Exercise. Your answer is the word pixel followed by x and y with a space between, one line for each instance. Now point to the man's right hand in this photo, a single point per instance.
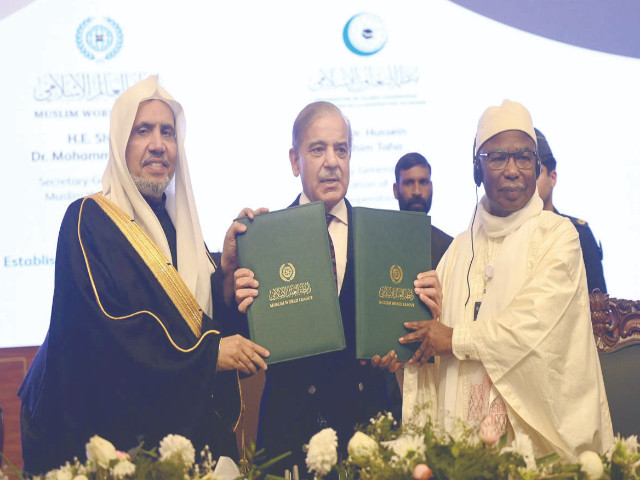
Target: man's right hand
pixel 246 288
pixel 229 258
pixel 428 288
pixel 239 353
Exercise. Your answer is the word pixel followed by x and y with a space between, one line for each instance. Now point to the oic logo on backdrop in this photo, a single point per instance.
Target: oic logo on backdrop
pixel 99 39
pixel 365 34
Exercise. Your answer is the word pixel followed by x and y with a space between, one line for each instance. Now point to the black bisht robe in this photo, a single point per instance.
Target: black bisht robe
pixel 125 380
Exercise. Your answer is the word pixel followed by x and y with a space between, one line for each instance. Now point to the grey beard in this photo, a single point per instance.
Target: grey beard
pixel 151 189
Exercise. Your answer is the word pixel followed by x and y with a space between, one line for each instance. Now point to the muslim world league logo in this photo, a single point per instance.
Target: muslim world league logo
pixel 99 38
pixel 395 272
pixel 287 272
pixel 365 34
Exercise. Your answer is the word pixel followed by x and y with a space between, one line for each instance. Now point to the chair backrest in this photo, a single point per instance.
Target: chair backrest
pixel 1 434
pixel 616 329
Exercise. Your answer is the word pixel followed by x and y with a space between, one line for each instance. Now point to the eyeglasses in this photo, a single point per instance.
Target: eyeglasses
pixel 524 159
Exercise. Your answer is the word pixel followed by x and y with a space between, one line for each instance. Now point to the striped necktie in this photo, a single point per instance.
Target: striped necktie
pixel 329 217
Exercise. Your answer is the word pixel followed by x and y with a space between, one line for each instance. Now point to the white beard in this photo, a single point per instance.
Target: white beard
pixel 149 188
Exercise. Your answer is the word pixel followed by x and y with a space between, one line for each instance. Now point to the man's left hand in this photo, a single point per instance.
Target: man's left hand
pixel 435 338
pixel 388 362
pixel 229 259
pixel 246 288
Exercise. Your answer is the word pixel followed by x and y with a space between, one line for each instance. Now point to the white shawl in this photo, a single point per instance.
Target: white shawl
pixel 533 333
pixel 193 262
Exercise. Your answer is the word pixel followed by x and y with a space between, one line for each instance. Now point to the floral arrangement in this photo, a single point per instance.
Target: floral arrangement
pixel 383 450
pixel 174 459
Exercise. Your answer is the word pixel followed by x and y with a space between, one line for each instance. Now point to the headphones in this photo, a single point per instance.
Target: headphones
pixel 477 167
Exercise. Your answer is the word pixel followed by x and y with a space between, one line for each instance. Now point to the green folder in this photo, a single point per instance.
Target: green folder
pixel 390 249
pixel 296 313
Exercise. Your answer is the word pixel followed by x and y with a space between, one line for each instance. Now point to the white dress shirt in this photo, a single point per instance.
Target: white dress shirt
pixel 339 231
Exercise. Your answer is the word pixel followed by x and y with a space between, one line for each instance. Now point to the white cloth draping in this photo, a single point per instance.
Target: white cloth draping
pixel 532 336
pixel 194 265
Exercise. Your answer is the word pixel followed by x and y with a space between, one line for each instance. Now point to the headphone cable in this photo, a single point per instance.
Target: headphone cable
pixel 473 253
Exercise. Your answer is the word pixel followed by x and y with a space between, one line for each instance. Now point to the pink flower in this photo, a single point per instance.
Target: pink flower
pixel 487 431
pixel 122 455
pixel 422 472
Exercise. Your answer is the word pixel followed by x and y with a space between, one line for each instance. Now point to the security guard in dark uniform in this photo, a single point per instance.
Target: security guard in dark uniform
pixel 591 250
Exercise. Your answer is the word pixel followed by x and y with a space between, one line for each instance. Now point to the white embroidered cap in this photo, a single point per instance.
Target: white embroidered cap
pixel 508 116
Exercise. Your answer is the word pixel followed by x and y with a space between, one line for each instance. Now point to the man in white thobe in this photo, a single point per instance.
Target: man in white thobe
pixel 514 340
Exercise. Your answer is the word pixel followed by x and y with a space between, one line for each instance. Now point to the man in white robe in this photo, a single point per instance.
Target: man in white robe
pixel 514 340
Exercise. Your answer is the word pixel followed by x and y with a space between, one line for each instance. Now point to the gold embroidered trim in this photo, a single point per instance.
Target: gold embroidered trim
pixel 215 267
pixel 168 278
pixel 242 408
pixel 244 462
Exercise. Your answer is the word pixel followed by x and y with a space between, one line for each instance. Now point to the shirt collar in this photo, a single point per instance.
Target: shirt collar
pixel 339 210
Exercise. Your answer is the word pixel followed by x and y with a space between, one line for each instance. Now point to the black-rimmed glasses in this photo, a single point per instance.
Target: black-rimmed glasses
pixel 524 159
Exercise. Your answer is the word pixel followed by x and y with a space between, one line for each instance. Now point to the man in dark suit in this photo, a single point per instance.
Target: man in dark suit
pixel 336 390
pixel 413 190
pixel 591 250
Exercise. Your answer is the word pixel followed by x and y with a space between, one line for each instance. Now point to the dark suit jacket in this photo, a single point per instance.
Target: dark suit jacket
pixel 440 241
pixel 302 397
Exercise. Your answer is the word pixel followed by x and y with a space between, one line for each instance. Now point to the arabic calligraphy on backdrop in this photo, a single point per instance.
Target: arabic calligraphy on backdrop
pixel 83 86
pixel 358 79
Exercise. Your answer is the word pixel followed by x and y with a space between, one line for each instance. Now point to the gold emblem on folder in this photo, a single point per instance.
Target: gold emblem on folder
pixel 287 272
pixel 396 274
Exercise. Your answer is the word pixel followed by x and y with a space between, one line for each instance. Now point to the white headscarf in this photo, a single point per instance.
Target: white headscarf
pixel 193 262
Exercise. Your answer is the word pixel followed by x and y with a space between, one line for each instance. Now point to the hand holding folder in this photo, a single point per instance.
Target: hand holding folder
pixel 296 313
pixel 390 248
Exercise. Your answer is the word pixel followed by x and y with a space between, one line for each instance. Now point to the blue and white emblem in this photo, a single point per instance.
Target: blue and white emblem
pixel 99 38
pixel 365 34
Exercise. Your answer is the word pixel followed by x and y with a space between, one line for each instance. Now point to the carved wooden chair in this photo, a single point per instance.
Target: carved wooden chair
pixel 1 434
pixel 616 328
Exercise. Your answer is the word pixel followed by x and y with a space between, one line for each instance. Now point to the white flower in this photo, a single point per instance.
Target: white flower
pixel 405 444
pixel 630 444
pixel 322 452
pixel 208 463
pixel 591 464
pixel 123 469
pixel 65 472
pixel 80 477
pixel 179 447
pixel 3 476
pixel 81 471
pixel 523 446
pixel 361 448
pixel 100 451
pixel 64 475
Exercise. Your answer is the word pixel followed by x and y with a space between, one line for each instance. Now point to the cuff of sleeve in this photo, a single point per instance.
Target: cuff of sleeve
pixel 462 343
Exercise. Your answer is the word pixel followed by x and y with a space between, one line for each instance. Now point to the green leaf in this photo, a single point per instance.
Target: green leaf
pixel 13 468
